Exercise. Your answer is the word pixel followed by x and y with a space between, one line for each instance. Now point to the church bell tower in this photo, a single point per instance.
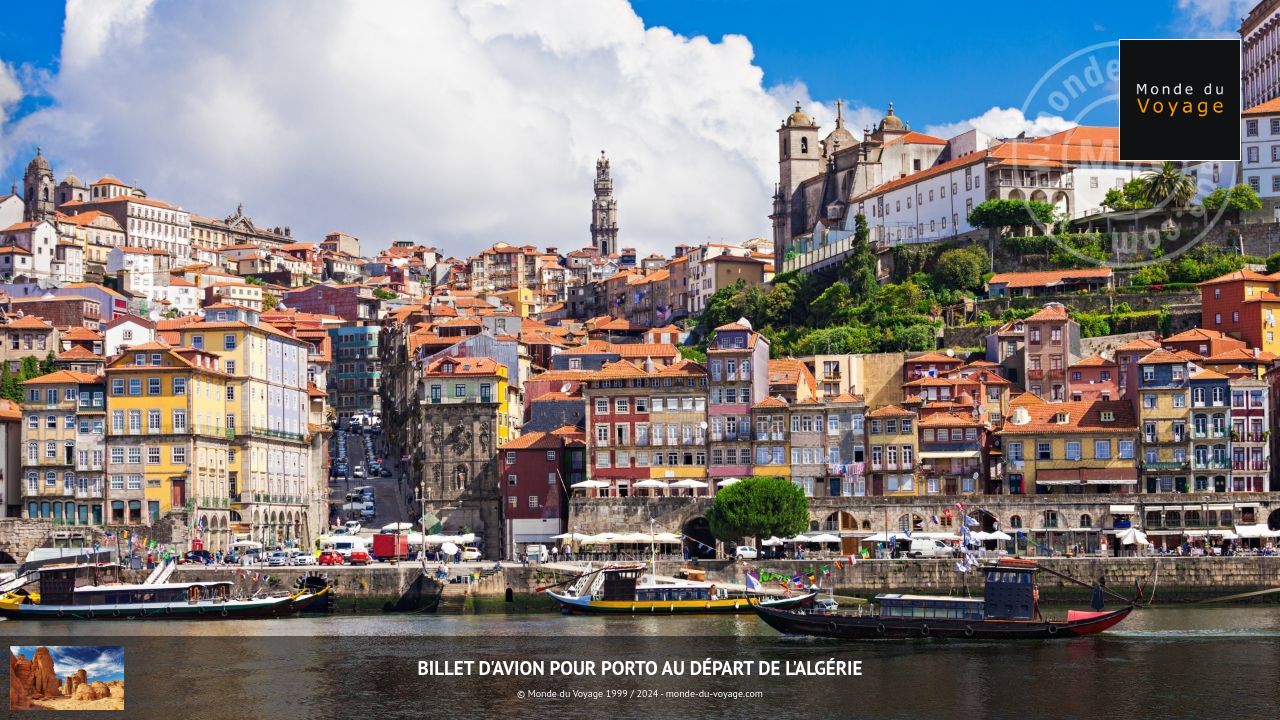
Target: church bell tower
pixel 604 211
pixel 38 187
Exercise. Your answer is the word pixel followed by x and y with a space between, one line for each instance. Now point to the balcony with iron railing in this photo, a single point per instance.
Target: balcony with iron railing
pixel 1251 465
pixel 1211 464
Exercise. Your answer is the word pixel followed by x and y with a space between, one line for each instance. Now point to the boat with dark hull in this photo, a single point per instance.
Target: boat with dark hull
pixel 1008 610
pixel 94 592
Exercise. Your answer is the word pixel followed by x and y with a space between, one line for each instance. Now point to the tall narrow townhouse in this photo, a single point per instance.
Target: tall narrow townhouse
pixel 1210 431
pixel 892 446
pixel 168 449
pixel 1052 344
pixel 267 412
pixel 738 365
pixel 618 420
pixel 1250 432
pixel 677 427
pixel 52 488
pixel 1161 400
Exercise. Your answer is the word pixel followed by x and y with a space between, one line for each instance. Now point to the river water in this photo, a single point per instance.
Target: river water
pixel 1177 661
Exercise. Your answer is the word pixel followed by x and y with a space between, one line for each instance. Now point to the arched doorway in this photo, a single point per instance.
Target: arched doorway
pixel 1273 520
pixel 698 540
pixel 7 559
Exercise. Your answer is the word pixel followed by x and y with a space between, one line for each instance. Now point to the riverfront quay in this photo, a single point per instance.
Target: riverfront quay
pixel 403 587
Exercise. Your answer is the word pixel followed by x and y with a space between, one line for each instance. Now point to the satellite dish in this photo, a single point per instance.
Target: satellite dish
pixel 565 388
pixel 951 352
pixel 200 312
pixel 154 314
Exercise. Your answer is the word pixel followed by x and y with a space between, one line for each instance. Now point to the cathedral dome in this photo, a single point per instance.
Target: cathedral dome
pixel 798 117
pixel 891 121
pixel 73 181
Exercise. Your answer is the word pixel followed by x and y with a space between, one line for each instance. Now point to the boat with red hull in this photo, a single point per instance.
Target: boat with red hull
pixel 1008 610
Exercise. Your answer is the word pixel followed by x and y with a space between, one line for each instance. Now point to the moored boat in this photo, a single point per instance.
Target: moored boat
pixel 628 590
pixel 1008 610
pixel 94 592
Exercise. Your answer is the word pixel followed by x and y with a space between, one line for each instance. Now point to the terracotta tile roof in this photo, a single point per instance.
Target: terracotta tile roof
pixel 1161 356
pixel 619 370
pixel 1046 278
pixel 771 402
pixel 847 398
pixel 1139 345
pixel 935 357
pixel 462 367
pixel 78 352
pixel 80 332
pixel 1093 361
pixel 1208 375
pixel 930 381
pixel 28 322
pixel 916 138
pixel 1082 417
pixel 1242 355
pixel 1050 312
pixel 949 419
pixel 1265 108
pixel 564 376
pixel 684 368
pixel 890 411
pixel 63 377
pixel 1237 276
pixel 10 411
pixel 1197 334
pixel 534 441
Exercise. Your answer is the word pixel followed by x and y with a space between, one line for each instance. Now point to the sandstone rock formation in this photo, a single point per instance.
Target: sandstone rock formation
pixel 74 680
pixel 45 681
pixel 19 697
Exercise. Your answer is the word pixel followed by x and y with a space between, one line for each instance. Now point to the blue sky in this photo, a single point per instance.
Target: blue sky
pixel 209 103
pixel 101 663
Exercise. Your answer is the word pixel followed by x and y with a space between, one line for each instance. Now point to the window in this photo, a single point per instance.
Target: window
pixel 135 386
pixel 153 421
pixel 1102 449
pixel 153 455
pixel 1251 128
pixel 459 390
pixel 602 406
pixel 135 421
pixel 228 342
pixel 1254 184
pixel 1251 155
pixel 179 454
pixel 153 386
pixel 1044 451
pixel 642 405
pixel 179 420
pixel 230 367
pixel 602 458
pixel 179 386
pixel 621 406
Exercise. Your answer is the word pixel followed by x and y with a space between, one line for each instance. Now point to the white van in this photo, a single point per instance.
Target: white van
pixel 344 545
pixel 924 547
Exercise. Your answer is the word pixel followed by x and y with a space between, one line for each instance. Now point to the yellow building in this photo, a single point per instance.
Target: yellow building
pixel 166 438
pixel 274 500
pixel 56 486
pixel 676 432
pixel 1078 447
pixel 892 450
pixel 523 301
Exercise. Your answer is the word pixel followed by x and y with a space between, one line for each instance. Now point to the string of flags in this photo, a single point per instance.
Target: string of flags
pixel 757 577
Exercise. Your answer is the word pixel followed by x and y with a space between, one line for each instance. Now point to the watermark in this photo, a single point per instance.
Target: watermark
pixel 1074 176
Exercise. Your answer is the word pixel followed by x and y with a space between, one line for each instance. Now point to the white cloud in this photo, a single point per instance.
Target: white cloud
pixel 1212 18
pixel 453 123
pixel 1004 123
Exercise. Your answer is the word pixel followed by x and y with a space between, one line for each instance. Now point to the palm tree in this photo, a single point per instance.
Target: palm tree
pixel 1168 187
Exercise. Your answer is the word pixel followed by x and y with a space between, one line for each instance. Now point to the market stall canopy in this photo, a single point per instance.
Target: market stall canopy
pixel 689 483
pixel 728 481
pixel 999 535
pixel 246 544
pixel 590 484
pixel 397 527
pixel 1132 536
pixel 449 548
pixel 1260 530
pixel 465 539
pixel 650 484
pixel 825 538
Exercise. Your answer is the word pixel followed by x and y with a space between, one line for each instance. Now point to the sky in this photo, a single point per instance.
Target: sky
pixel 460 123
pixel 101 663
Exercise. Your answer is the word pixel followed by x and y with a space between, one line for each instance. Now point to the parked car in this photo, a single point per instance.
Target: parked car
pixel 745 552
pixel 278 558
pixel 470 553
pixel 352 527
pixel 304 559
pixel 359 557
pixel 197 556
pixel 535 553
pixel 385 472
pixel 357 472
pixel 924 547
pixel 329 557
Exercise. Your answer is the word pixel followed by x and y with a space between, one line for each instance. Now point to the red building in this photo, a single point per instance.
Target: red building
pixel 617 426
pixel 537 470
pixel 931 364
pixel 1205 343
pixel 1093 378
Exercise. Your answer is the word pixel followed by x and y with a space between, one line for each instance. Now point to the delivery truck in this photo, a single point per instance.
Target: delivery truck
pixel 389 545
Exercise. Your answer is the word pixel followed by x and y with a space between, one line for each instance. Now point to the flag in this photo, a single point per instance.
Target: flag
pixel 960 506
pixel 838 565
pixel 969 521
pixel 961 568
pixel 797 579
pixel 753 582
pixel 826 571
pixel 812 578
pixel 852 558
pixel 935 520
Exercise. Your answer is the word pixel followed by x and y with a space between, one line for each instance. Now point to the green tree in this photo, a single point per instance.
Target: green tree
pixel 30 368
pixel 999 215
pixel 9 387
pixel 833 307
pixel 759 507
pixel 914 337
pixel 47 365
pixel 1131 197
pixel 694 353
pixel 1273 263
pixel 958 269
pixel 1167 186
pixel 1236 200
pixel 381 294
pixel 270 301
pixel 859 269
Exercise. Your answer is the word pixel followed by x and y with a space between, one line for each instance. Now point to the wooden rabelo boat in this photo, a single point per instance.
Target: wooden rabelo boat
pixel 628 590
pixel 94 592
pixel 1008 610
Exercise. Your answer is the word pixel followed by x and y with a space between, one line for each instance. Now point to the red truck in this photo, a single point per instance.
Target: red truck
pixel 389 545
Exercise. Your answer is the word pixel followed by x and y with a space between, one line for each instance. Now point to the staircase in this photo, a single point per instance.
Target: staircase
pixel 453 599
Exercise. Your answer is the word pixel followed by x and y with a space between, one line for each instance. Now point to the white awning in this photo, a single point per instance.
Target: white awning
pixel 1247 505
pixel 1128 481
pixel 930 454
pixel 1057 482
pixel 1194 533
pixel 1124 508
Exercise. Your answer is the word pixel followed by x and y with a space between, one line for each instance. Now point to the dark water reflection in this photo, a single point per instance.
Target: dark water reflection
pixel 1193 662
